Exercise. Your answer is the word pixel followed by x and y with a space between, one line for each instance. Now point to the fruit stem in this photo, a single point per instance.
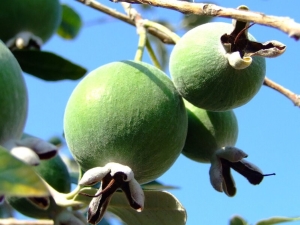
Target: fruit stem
pixel 73 193
pixel 141 44
pixel 152 55
pixel 62 199
pixel 162 29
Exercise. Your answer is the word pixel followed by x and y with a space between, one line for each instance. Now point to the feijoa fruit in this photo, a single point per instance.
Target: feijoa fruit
pixel 128 113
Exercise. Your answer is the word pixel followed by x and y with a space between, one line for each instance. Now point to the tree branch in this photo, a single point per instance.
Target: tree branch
pixel 284 24
pixel 292 96
pixel 96 5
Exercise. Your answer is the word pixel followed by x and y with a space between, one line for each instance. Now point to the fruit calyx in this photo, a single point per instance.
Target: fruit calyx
pixel 113 176
pixel 240 48
pixel 32 149
pixel 24 40
pixel 232 158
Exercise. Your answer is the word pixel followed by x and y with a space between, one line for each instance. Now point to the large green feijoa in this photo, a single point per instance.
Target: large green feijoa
pixel 56 174
pixel 200 68
pixel 13 99
pixel 208 132
pixel 38 18
pixel 129 113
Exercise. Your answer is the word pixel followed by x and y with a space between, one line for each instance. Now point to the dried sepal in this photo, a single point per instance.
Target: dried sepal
pixel 215 174
pixel 269 49
pixel 228 183
pixel 43 149
pixel 26 155
pixel 93 176
pixel 253 174
pixel 97 208
pixel 231 153
pixel 135 194
pixel 117 167
pixel 237 62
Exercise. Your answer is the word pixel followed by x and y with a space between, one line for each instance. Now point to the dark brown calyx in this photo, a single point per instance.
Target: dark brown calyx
pixel 113 177
pixel 246 169
pixel 229 158
pixel 238 41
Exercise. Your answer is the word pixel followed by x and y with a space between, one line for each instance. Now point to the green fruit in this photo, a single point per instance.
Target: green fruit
pixel 126 112
pixel 56 174
pixel 208 132
pixel 13 99
pixel 202 74
pixel 39 17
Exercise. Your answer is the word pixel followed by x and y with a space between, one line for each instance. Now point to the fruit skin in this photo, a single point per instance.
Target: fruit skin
pixel 13 99
pixel 40 17
pixel 55 172
pixel 126 112
pixel 208 132
pixel 202 75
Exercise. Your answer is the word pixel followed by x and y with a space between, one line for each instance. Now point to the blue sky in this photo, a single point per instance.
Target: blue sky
pixel 268 125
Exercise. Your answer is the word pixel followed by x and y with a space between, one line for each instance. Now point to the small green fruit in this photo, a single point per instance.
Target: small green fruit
pixel 38 18
pixel 56 174
pixel 208 132
pixel 210 139
pixel 129 113
pixel 200 69
pixel 13 99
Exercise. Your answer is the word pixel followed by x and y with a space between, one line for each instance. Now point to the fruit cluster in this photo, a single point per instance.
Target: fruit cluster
pixel 127 122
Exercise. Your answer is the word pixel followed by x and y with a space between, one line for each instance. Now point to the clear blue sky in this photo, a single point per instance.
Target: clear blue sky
pixel 269 125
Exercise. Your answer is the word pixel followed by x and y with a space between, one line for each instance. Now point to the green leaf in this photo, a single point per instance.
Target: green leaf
pixel 237 220
pixel 18 178
pixel 276 220
pixel 48 66
pixel 70 24
pixel 160 208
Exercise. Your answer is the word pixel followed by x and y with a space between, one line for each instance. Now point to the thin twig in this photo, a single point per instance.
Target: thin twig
pixel 284 24
pixel 123 17
pixel 12 221
pixel 152 55
pixel 141 30
pixel 292 96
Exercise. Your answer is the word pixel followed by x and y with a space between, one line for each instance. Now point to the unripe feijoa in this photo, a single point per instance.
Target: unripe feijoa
pixel 13 99
pixel 208 132
pixel 126 112
pixel 41 18
pixel 202 74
